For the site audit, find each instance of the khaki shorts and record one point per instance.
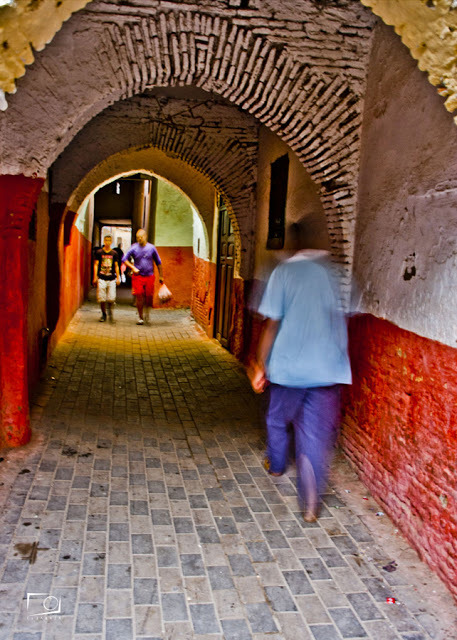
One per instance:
(106, 290)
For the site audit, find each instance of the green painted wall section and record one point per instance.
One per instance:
(173, 226)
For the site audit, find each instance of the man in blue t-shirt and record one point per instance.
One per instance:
(302, 356)
(144, 255)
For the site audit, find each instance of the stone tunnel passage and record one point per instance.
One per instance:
(141, 508)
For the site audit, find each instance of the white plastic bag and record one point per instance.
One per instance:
(164, 293)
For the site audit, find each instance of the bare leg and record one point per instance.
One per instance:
(140, 304)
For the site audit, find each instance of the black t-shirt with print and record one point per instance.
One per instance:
(106, 260)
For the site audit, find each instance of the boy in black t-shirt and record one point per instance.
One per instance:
(106, 276)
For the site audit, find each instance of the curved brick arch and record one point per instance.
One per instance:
(315, 108)
(194, 141)
(155, 162)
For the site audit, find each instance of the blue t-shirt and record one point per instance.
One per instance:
(310, 349)
(143, 257)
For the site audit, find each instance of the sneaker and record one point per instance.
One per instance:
(110, 318)
(140, 321)
(103, 318)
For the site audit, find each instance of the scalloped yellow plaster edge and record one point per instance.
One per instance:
(429, 29)
(26, 24)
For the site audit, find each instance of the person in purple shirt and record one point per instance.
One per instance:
(140, 258)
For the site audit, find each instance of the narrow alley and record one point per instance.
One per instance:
(141, 510)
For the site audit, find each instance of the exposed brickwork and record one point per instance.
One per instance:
(203, 292)
(400, 431)
(216, 139)
(298, 68)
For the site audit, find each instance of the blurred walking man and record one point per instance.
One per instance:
(144, 256)
(302, 357)
(106, 276)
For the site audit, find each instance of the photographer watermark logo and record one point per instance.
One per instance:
(43, 604)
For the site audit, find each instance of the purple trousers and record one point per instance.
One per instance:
(315, 415)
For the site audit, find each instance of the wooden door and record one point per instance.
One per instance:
(225, 267)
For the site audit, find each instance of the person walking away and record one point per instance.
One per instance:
(106, 277)
(140, 258)
(302, 358)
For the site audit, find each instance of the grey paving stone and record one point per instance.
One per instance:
(183, 525)
(102, 464)
(97, 522)
(119, 532)
(174, 607)
(207, 534)
(119, 498)
(89, 618)
(377, 588)
(280, 599)
(345, 545)
(76, 512)
(142, 543)
(119, 576)
(15, 571)
(145, 591)
(364, 606)
(291, 529)
(81, 482)
(192, 564)
(198, 501)
(324, 632)
(359, 532)
(119, 471)
(64, 473)
(298, 582)
(235, 630)
(259, 552)
(347, 623)
(315, 568)
(204, 619)
(71, 551)
(50, 538)
(332, 557)
(220, 578)
(24, 635)
(139, 508)
(119, 628)
(243, 478)
(167, 556)
(276, 539)
(40, 492)
(226, 525)
(57, 503)
(332, 500)
(258, 505)
(214, 494)
(241, 565)
(99, 490)
(260, 618)
(153, 463)
(156, 486)
(160, 517)
(242, 514)
(176, 493)
(94, 564)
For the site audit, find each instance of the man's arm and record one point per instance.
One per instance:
(257, 371)
(95, 279)
(159, 267)
(118, 273)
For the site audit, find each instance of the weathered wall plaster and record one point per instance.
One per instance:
(173, 219)
(406, 259)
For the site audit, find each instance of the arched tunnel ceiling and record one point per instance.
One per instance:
(427, 27)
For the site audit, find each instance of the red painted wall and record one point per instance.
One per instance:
(36, 310)
(75, 280)
(177, 264)
(203, 293)
(400, 431)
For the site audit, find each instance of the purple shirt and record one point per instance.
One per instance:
(143, 257)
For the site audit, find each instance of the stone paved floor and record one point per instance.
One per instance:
(144, 490)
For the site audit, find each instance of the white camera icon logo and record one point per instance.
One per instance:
(43, 604)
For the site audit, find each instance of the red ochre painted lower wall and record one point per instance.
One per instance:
(400, 431)
(75, 280)
(203, 293)
(177, 263)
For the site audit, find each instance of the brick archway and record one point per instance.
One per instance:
(314, 106)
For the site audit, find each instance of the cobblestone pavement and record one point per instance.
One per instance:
(141, 510)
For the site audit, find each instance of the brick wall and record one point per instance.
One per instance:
(400, 431)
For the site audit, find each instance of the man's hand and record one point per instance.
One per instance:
(257, 378)
(118, 281)
(135, 270)
(95, 280)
